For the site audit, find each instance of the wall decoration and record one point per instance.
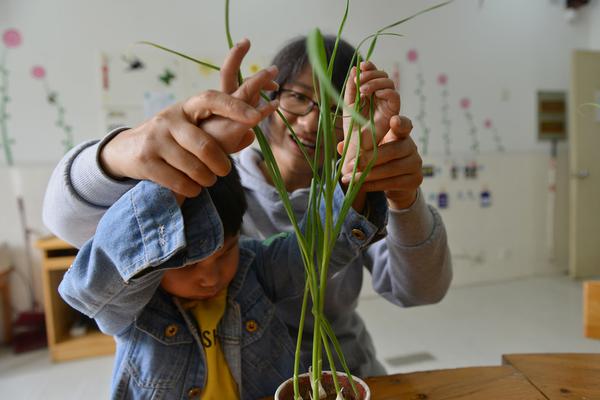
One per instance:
(443, 81)
(465, 104)
(167, 76)
(413, 58)
(485, 198)
(38, 72)
(11, 38)
(495, 134)
(442, 199)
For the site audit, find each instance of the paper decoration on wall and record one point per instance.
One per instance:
(38, 72)
(396, 75)
(442, 199)
(11, 38)
(443, 81)
(485, 198)
(465, 104)
(167, 76)
(428, 171)
(413, 58)
(495, 134)
(454, 171)
(133, 63)
(471, 170)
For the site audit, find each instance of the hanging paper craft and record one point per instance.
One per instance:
(11, 38)
(485, 198)
(442, 199)
(471, 170)
(465, 104)
(413, 57)
(442, 81)
(495, 134)
(39, 72)
(167, 76)
(454, 171)
(133, 63)
(428, 171)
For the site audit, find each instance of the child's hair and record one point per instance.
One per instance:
(228, 197)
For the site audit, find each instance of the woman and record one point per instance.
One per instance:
(410, 266)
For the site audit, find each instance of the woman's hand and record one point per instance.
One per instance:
(397, 169)
(185, 146)
(387, 102)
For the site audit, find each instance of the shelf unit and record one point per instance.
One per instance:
(57, 256)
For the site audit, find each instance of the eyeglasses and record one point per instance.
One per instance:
(301, 105)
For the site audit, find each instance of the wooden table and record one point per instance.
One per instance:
(521, 377)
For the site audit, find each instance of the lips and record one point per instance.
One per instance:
(306, 142)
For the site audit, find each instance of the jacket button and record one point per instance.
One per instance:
(194, 393)
(358, 234)
(251, 325)
(171, 330)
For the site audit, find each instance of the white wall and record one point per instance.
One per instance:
(498, 56)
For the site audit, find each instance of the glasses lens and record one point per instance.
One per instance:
(295, 103)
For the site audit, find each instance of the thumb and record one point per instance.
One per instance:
(400, 128)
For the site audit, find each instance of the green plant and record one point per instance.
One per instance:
(317, 240)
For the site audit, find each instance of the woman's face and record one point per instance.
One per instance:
(285, 149)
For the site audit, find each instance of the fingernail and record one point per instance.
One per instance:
(346, 178)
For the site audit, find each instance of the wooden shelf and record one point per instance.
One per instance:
(92, 344)
(57, 257)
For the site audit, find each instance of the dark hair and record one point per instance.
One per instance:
(228, 197)
(293, 58)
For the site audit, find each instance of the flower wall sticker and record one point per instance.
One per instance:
(465, 104)
(413, 58)
(38, 72)
(446, 123)
(11, 38)
(495, 134)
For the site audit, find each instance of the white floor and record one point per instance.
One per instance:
(473, 326)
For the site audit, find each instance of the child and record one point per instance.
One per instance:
(190, 305)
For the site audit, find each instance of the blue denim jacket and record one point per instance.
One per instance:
(116, 280)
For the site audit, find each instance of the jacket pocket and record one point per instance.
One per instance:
(160, 351)
(267, 348)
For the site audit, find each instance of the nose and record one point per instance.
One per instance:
(310, 121)
(208, 274)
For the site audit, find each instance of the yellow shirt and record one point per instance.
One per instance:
(219, 383)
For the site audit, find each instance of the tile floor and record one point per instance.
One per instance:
(474, 325)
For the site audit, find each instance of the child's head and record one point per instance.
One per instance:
(208, 277)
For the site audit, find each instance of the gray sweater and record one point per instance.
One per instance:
(411, 266)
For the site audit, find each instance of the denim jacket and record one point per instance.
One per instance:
(116, 276)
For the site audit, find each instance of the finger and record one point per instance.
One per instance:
(366, 76)
(376, 85)
(212, 102)
(186, 162)
(367, 66)
(231, 66)
(171, 178)
(386, 152)
(203, 146)
(398, 183)
(350, 93)
(394, 168)
(400, 128)
(262, 80)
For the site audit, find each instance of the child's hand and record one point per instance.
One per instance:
(181, 148)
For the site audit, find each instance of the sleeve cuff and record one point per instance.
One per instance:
(90, 182)
(411, 226)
